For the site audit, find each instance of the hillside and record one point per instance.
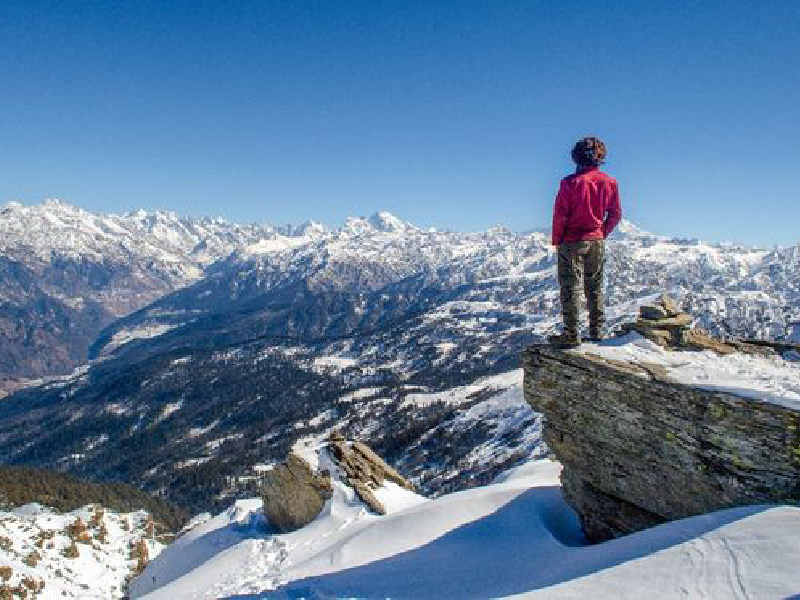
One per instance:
(88, 553)
(64, 493)
(62, 537)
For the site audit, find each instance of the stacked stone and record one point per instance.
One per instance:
(663, 322)
(667, 325)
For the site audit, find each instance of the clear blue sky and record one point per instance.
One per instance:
(455, 114)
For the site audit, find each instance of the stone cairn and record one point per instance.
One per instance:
(664, 323)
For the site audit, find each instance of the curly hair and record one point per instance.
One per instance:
(589, 152)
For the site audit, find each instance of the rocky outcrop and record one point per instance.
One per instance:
(365, 471)
(294, 494)
(639, 449)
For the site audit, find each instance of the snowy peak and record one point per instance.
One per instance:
(387, 222)
(10, 206)
(56, 226)
(310, 228)
(383, 222)
(625, 230)
(277, 242)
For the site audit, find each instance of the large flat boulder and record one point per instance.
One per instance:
(640, 449)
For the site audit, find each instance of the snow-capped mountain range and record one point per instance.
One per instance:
(405, 337)
(375, 272)
(65, 273)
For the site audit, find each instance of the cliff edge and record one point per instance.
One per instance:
(648, 434)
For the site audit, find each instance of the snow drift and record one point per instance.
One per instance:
(515, 537)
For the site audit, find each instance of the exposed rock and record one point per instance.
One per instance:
(699, 340)
(293, 494)
(639, 449)
(664, 308)
(649, 311)
(768, 346)
(669, 305)
(364, 471)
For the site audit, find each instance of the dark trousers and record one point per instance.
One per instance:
(581, 264)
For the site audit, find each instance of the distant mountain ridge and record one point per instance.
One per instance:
(375, 272)
(66, 272)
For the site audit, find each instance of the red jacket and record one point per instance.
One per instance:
(587, 207)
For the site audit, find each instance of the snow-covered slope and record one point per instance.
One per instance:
(87, 553)
(515, 537)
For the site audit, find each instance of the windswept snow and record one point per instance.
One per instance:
(770, 379)
(514, 538)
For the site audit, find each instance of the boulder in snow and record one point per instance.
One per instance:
(293, 494)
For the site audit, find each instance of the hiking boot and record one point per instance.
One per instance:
(564, 341)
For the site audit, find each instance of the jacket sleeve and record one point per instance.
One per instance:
(613, 212)
(560, 213)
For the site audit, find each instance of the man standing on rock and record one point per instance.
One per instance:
(586, 211)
